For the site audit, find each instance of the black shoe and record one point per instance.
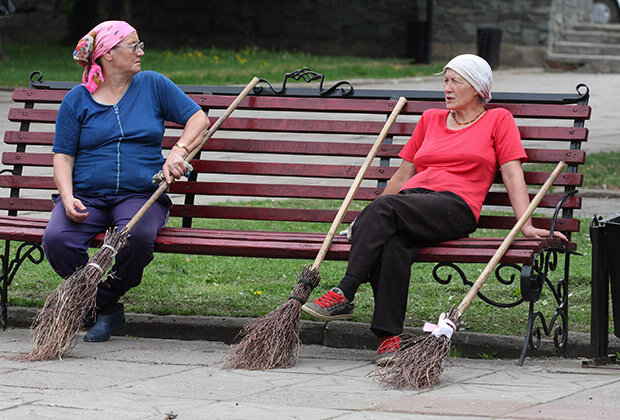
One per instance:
(106, 325)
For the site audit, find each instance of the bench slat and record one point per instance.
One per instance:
(324, 126)
(32, 230)
(285, 169)
(519, 110)
(284, 249)
(277, 190)
(39, 95)
(292, 215)
(27, 182)
(290, 169)
(301, 147)
(311, 237)
(271, 190)
(337, 251)
(26, 204)
(259, 213)
(507, 222)
(33, 115)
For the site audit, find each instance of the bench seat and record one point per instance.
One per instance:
(290, 155)
(299, 245)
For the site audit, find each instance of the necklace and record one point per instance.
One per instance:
(453, 113)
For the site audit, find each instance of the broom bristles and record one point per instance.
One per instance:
(56, 326)
(419, 365)
(420, 361)
(272, 341)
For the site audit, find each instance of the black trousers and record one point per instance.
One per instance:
(386, 238)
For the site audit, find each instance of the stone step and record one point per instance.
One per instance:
(586, 48)
(609, 27)
(590, 36)
(583, 63)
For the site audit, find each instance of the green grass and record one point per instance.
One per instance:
(208, 66)
(601, 170)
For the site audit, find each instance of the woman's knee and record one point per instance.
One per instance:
(373, 213)
(142, 239)
(54, 242)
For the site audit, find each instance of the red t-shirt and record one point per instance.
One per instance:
(464, 161)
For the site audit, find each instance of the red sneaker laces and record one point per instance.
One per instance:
(389, 344)
(329, 299)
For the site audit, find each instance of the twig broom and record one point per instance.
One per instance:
(420, 363)
(58, 323)
(272, 341)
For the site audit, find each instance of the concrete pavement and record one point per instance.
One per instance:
(142, 378)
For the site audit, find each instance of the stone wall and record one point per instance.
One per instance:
(524, 24)
(566, 14)
(376, 28)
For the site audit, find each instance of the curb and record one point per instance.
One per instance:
(335, 334)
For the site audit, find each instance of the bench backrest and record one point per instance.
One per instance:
(303, 147)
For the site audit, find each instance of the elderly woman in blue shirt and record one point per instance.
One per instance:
(107, 147)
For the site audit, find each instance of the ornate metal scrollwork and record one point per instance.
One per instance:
(31, 251)
(586, 93)
(533, 279)
(308, 76)
(24, 251)
(35, 78)
(441, 274)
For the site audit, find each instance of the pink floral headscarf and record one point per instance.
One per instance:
(101, 39)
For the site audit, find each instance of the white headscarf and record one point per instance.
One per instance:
(476, 71)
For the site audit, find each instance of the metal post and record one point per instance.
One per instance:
(599, 312)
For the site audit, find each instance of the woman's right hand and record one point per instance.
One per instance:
(75, 210)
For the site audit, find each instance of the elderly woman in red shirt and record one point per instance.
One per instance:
(436, 195)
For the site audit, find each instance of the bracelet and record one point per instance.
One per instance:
(182, 146)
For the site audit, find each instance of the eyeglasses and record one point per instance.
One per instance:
(134, 47)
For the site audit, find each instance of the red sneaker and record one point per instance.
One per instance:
(388, 350)
(332, 305)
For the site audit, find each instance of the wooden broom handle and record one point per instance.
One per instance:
(509, 239)
(356, 183)
(163, 186)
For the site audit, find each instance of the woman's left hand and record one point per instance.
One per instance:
(532, 232)
(174, 167)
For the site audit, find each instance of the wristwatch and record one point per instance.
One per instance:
(182, 146)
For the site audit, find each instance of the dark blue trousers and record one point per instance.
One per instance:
(65, 242)
(386, 237)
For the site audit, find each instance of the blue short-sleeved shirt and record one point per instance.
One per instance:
(117, 148)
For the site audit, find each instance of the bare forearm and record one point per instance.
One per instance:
(63, 175)
(402, 175)
(193, 132)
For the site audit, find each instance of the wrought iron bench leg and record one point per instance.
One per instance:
(533, 278)
(32, 251)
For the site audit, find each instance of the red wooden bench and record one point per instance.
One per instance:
(299, 144)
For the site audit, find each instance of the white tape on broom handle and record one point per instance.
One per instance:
(356, 183)
(508, 240)
(163, 186)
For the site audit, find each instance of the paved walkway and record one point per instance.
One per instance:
(141, 378)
